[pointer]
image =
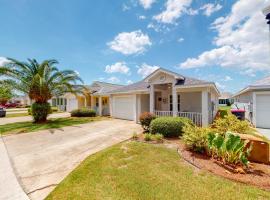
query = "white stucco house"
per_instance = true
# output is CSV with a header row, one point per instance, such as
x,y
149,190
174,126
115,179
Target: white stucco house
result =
x,y
166,93
257,96
163,92
225,98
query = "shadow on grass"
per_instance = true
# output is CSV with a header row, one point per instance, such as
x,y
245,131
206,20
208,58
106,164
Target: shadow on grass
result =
x,y
23,127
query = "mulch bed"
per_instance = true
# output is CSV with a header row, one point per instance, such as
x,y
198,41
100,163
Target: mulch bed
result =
x,y
257,174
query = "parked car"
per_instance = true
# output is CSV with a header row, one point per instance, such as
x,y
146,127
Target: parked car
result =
x,y
2,112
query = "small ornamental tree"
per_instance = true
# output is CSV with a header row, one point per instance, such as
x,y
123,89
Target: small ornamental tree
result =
x,y
40,81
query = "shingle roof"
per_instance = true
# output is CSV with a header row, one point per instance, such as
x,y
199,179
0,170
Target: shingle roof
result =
x,y
263,82
101,88
143,85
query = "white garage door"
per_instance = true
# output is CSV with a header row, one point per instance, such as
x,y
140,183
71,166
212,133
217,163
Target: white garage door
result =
x,y
263,110
123,107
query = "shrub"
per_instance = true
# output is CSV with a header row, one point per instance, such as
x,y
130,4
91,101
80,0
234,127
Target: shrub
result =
x,y
40,111
223,113
195,138
135,136
169,126
147,137
231,123
158,137
145,119
84,112
230,149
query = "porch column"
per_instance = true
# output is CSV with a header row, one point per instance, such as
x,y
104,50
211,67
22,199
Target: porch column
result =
x,y
85,102
152,98
111,104
100,106
92,102
174,100
205,112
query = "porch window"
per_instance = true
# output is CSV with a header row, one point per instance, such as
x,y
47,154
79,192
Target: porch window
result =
x,y
97,103
178,103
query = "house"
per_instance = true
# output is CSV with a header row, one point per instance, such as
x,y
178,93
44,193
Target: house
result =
x,y
95,97
225,99
257,96
166,93
163,92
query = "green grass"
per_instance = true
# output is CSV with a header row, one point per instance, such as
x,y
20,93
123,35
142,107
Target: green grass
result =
x,y
133,170
228,108
17,115
24,127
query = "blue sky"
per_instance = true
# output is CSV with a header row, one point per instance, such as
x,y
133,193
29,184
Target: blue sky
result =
x,y
121,41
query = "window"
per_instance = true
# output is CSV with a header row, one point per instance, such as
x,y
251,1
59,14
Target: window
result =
x,y
171,103
53,102
97,103
178,103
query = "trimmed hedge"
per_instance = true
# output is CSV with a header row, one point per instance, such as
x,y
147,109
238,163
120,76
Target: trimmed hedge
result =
x,y
169,126
84,112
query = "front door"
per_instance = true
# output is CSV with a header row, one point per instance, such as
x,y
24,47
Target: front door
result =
x,y
158,100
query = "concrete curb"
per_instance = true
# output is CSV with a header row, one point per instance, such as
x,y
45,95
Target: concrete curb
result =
x,y
10,189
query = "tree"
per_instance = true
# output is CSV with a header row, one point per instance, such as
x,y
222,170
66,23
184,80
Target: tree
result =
x,y
40,81
5,92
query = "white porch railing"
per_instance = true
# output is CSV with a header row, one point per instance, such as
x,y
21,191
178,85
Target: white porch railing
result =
x,y
193,116
160,113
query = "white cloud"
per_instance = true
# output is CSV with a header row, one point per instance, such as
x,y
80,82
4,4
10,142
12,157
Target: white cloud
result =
x,y
144,70
241,40
210,8
125,7
3,61
118,67
180,40
191,11
113,79
228,78
174,9
129,82
146,4
142,17
249,72
220,86
130,42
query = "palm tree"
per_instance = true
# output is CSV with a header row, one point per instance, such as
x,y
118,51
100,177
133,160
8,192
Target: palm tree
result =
x,y
40,81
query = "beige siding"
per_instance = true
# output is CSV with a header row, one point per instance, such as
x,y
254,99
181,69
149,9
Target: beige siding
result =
x,y
145,103
244,98
191,102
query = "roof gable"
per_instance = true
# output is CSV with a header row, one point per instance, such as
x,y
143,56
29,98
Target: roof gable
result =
x,y
165,71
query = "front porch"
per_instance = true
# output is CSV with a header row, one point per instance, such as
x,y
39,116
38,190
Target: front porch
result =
x,y
193,103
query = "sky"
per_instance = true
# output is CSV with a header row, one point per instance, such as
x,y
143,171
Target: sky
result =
x,y
122,41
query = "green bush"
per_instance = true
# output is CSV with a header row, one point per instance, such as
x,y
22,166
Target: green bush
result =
x,y
231,123
169,126
147,137
223,113
53,109
158,137
40,111
229,149
84,112
145,120
195,138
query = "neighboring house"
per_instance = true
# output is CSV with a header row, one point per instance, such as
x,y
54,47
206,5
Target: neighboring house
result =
x,y
166,93
23,100
225,99
257,96
95,97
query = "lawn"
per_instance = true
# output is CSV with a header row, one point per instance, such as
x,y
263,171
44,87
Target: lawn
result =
x,y
133,170
10,114
228,108
23,127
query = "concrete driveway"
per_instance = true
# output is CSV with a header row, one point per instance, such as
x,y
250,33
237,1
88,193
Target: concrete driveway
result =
x,y
42,159
264,132
9,120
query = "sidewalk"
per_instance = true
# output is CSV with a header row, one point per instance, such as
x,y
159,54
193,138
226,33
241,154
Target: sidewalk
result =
x,y
10,188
